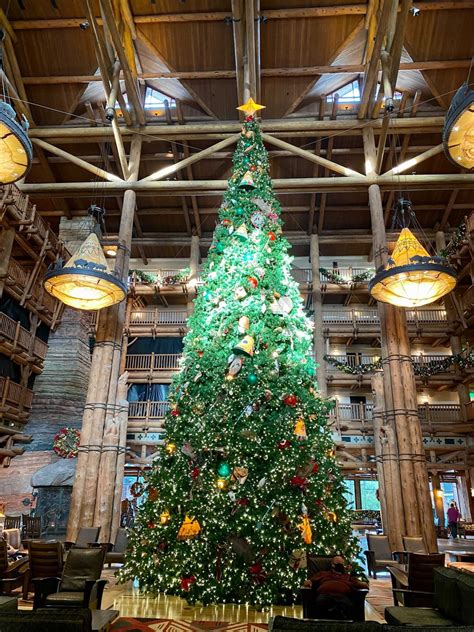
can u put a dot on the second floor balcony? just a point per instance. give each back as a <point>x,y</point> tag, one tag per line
<point>15,400</point>
<point>20,344</point>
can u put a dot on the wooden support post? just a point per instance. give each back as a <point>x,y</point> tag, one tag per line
<point>318,339</point>
<point>399,386</point>
<point>7,237</point>
<point>238,32</point>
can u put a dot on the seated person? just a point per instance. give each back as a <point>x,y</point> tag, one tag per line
<point>332,590</point>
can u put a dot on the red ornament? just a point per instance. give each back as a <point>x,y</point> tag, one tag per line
<point>253,281</point>
<point>242,501</point>
<point>315,468</point>
<point>248,118</point>
<point>152,494</point>
<point>150,525</point>
<point>253,168</point>
<point>271,236</point>
<point>187,581</point>
<point>226,222</point>
<point>195,472</point>
<point>299,481</point>
<point>319,502</point>
<point>283,444</point>
<point>200,353</point>
<point>175,413</point>
<point>257,573</point>
<point>290,400</point>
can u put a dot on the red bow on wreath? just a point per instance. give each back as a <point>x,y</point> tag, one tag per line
<point>187,581</point>
<point>257,573</point>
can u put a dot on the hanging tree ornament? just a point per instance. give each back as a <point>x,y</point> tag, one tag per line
<point>241,232</point>
<point>250,108</point>
<point>240,474</point>
<point>244,324</point>
<point>305,529</point>
<point>240,293</point>
<point>252,379</point>
<point>189,529</point>
<point>224,470</point>
<point>165,517</point>
<point>300,429</point>
<point>247,182</point>
<point>245,346</point>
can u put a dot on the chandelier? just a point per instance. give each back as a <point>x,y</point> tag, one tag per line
<point>412,277</point>
<point>16,152</point>
<point>458,131</point>
<point>85,282</point>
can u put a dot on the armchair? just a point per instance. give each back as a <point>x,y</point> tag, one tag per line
<point>414,544</point>
<point>117,553</point>
<point>85,537</point>
<point>46,560</point>
<point>415,587</point>
<point>379,555</point>
<point>79,586</point>
<point>11,575</point>
<point>316,564</point>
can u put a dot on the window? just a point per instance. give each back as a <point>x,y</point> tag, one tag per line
<point>155,100</point>
<point>349,493</point>
<point>368,495</point>
<point>350,93</point>
<point>450,494</point>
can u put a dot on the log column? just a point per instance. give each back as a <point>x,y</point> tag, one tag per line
<point>438,499</point>
<point>194,260</point>
<point>318,338</point>
<point>100,466</point>
<point>399,386</point>
<point>7,237</point>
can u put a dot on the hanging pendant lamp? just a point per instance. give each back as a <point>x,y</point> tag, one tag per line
<point>412,277</point>
<point>458,131</point>
<point>85,282</point>
<point>16,151</point>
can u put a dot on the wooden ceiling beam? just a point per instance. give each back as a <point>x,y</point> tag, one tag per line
<point>238,17</point>
<point>416,160</point>
<point>250,57</point>
<point>189,171</point>
<point>287,185</point>
<point>220,16</point>
<point>448,209</point>
<point>324,196</point>
<point>317,152</point>
<point>342,69</point>
<point>296,127</point>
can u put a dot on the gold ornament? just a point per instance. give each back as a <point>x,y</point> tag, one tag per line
<point>240,474</point>
<point>170,448</point>
<point>165,516</point>
<point>221,483</point>
<point>305,529</point>
<point>250,107</point>
<point>189,529</point>
<point>245,346</point>
<point>300,429</point>
<point>331,516</point>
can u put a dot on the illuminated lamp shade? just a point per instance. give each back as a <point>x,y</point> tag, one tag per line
<point>16,152</point>
<point>85,282</point>
<point>412,277</point>
<point>458,131</point>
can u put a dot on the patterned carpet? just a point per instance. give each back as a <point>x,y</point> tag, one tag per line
<point>129,624</point>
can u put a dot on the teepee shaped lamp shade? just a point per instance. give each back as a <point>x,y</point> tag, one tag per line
<point>85,281</point>
<point>412,277</point>
<point>16,152</point>
<point>458,131</point>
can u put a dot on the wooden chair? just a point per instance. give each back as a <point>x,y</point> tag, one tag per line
<point>414,588</point>
<point>46,560</point>
<point>31,527</point>
<point>12,575</point>
<point>79,586</point>
<point>414,544</point>
<point>12,522</point>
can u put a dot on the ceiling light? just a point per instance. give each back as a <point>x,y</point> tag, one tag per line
<point>16,152</point>
<point>458,131</point>
<point>85,282</point>
<point>412,277</point>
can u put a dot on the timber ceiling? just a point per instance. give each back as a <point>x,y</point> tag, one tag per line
<point>294,54</point>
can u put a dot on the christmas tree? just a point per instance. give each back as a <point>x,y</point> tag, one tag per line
<point>247,483</point>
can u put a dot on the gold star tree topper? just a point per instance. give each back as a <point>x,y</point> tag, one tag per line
<point>250,107</point>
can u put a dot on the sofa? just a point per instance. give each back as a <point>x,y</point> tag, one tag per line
<point>453,603</point>
<point>47,620</point>
<point>287,624</point>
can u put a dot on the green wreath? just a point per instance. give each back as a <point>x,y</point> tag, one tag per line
<point>66,442</point>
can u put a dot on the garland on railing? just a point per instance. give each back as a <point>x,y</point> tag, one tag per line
<point>464,360</point>
<point>456,241</point>
<point>334,277</point>
<point>171,279</point>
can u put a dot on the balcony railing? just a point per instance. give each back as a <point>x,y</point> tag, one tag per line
<point>154,316</point>
<point>14,395</point>
<point>439,413</point>
<point>147,410</point>
<point>357,317</point>
<point>153,362</point>
<point>20,338</point>
<point>360,359</point>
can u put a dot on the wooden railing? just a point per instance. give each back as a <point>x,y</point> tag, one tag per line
<point>21,338</point>
<point>346,274</point>
<point>153,362</point>
<point>358,317</point>
<point>156,316</point>
<point>359,359</point>
<point>439,413</point>
<point>19,277</point>
<point>352,412</point>
<point>12,394</point>
<point>147,410</point>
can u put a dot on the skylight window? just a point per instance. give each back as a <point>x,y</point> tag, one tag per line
<point>350,93</point>
<point>156,100</point>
